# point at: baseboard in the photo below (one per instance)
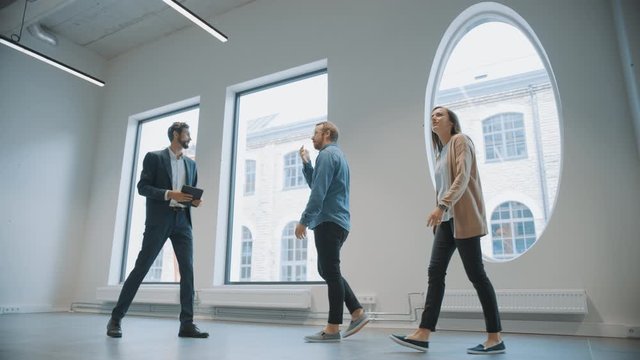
(447, 322)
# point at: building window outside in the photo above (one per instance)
(155, 271)
(293, 260)
(504, 137)
(245, 262)
(272, 122)
(152, 136)
(250, 177)
(492, 72)
(293, 176)
(513, 230)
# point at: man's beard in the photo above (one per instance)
(184, 144)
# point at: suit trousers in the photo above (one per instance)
(329, 238)
(177, 228)
(470, 252)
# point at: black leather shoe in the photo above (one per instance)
(113, 328)
(190, 330)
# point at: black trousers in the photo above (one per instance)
(470, 252)
(329, 238)
(178, 229)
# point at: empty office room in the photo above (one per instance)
(335, 179)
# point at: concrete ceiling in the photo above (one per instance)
(108, 27)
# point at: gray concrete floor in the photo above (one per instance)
(73, 336)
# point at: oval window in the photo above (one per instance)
(491, 70)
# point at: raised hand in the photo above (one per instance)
(304, 154)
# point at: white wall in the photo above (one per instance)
(379, 55)
(48, 120)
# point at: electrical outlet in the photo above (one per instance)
(368, 299)
(10, 310)
(633, 332)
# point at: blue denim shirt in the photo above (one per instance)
(329, 183)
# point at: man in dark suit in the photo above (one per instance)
(168, 216)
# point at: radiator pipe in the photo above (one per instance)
(412, 314)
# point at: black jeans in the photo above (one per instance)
(470, 252)
(178, 229)
(329, 238)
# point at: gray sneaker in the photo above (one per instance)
(356, 325)
(322, 337)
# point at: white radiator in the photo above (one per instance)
(147, 294)
(256, 298)
(520, 301)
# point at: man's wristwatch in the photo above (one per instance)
(443, 207)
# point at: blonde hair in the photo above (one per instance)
(331, 128)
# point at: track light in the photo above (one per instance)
(44, 58)
(196, 19)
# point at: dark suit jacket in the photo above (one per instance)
(155, 180)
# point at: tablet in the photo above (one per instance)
(193, 191)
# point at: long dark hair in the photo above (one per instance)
(455, 129)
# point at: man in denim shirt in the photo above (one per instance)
(327, 214)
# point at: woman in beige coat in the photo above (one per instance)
(459, 222)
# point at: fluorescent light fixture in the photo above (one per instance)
(196, 19)
(44, 58)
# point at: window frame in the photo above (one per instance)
(157, 265)
(233, 168)
(297, 167)
(293, 264)
(247, 174)
(512, 221)
(246, 240)
(471, 17)
(503, 139)
(133, 189)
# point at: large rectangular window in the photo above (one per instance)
(271, 123)
(152, 136)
